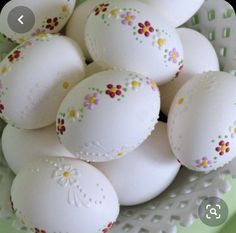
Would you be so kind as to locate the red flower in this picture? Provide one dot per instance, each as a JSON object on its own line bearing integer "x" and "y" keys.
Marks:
{"x": 101, "y": 8}
{"x": 1, "y": 107}
{"x": 178, "y": 73}
{"x": 112, "y": 90}
{"x": 223, "y": 148}
{"x": 145, "y": 28}
{"x": 61, "y": 126}
{"x": 36, "y": 230}
{"x": 15, "y": 55}
{"x": 52, "y": 23}
{"x": 108, "y": 227}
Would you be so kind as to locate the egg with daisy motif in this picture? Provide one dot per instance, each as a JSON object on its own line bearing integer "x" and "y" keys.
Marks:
{"x": 108, "y": 114}
{"x": 66, "y": 195}
{"x": 38, "y": 17}
{"x": 35, "y": 77}
{"x": 130, "y": 35}
{"x": 202, "y": 123}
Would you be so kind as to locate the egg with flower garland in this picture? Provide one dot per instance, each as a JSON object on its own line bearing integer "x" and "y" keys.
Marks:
{"x": 130, "y": 35}
{"x": 64, "y": 195}
{"x": 37, "y": 76}
{"x": 202, "y": 123}
{"x": 46, "y": 17}
{"x": 108, "y": 114}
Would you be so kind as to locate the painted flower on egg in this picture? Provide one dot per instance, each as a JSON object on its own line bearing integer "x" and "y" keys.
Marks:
{"x": 203, "y": 163}
{"x": 145, "y": 28}
{"x": 114, "y": 91}
{"x": 91, "y": 100}
{"x": 173, "y": 55}
{"x": 108, "y": 227}
{"x": 223, "y": 148}
{"x": 101, "y": 8}
{"x": 66, "y": 175}
{"x": 61, "y": 126}
{"x": 14, "y": 56}
{"x": 52, "y": 23}
{"x": 127, "y": 18}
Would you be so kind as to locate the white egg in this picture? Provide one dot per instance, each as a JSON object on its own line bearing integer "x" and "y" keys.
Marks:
{"x": 130, "y": 35}
{"x": 50, "y": 17}
{"x": 176, "y": 12}
{"x": 136, "y": 176}
{"x": 35, "y": 78}
{"x": 193, "y": 64}
{"x": 17, "y": 145}
{"x": 201, "y": 124}
{"x": 108, "y": 114}
{"x": 64, "y": 195}
{"x": 76, "y": 26}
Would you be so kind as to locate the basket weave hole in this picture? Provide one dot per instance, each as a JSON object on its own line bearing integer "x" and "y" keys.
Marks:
{"x": 127, "y": 228}
{"x": 143, "y": 230}
{"x": 183, "y": 204}
{"x": 207, "y": 183}
{"x": 156, "y": 219}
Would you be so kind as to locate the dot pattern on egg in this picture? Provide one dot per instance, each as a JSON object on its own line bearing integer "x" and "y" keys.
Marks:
{"x": 68, "y": 177}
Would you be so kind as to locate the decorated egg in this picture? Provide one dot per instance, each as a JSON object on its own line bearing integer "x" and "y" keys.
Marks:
{"x": 46, "y": 17}
{"x": 193, "y": 64}
{"x": 108, "y": 114}
{"x": 6, "y": 46}
{"x": 202, "y": 124}
{"x": 64, "y": 195}
{"x": 130, "y": 35}
{"x": 176, "y": 12}
{"x": 76, "y": 26}
{"x": 35, "y": 77}
{"x": 17, "y": 145}
{"x": 152, "y": 159}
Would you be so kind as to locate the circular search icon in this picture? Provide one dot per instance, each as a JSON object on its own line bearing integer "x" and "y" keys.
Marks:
{"x": 213, "y": 211}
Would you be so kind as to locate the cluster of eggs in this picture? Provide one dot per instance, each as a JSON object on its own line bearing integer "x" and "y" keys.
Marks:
{"x": 82, "y": 109}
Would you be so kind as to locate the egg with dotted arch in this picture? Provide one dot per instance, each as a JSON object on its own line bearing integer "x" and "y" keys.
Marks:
{"x": 64, "y": 195}
{"x": 35, "y": 77}
{"x": 202, "y": 123}
{"x": 108, "y": 114}
{"x": 130, "y": 35}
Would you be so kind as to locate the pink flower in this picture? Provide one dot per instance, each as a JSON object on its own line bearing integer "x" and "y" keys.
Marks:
{"x": 127, "y": 18}
{"x": 90, "y": 101}
{"x": 173, "y": 55}
{"x": 203, "y": 163}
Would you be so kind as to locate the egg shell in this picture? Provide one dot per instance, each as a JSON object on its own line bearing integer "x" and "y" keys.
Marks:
{"x": 64, "y": 195}
{"x": 108, "y": 114}
{"x": 37, "y": 76}
{"x": 176, "y": 12}
{"x": 76, "y": 26}
{"x": 193, "y": 64}
{"x": 130, "y": 35}
{"x": 136, "y": 176}
{"x": 50, "y": 17}
{"x": 17, "y": 145}
{"x": 202, "y": 123}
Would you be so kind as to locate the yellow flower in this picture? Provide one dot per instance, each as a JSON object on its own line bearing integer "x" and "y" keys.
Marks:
{"x": 161, "y": 42}
{"x": 4, "y": 70}
{"x": 65, "y": 8}
{"x": 66, "y": 85}
{"x": 180, "y": 101}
